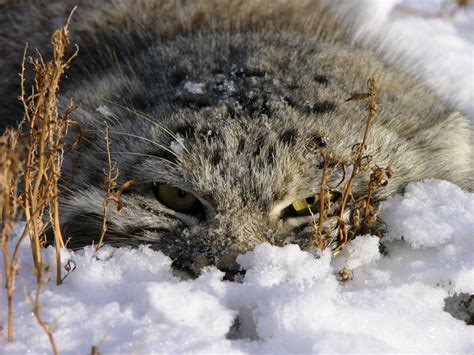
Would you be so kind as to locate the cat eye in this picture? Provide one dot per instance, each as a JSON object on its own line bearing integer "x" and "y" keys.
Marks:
{"x": 177, "y": 199}
{"x": 309, "y": 205}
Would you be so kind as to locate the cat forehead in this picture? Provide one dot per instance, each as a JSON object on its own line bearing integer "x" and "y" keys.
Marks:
{"x": 238, "y": 162}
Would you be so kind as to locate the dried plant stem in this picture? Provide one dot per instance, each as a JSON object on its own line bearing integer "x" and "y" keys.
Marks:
{"x": 36, "y": 309}
{"x": 322, "y": 192}
{"x": 46, "y": 131}
{"x": 367, "y": 204}
{"x": 34, "y": 167}
{"x": 319, "y": 238}
{"x": 113, "y": 192}
{"x": 363, "y": 211}
{"x": 10, "y": 286}
{"x": 357, "y": 160}
{"x": 109, "y": 184}
{"x": 10, "y": 165}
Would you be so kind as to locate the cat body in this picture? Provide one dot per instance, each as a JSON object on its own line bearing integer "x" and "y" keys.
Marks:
{"x": 211, "y": 104}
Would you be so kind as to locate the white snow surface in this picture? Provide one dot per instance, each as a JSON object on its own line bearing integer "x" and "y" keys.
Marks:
{"x": 125, "y": 300}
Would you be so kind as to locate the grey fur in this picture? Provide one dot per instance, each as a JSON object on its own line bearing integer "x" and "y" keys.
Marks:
{"x": 218, "y": 98}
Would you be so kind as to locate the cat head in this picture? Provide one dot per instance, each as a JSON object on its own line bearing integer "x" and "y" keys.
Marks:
{"x": 214, "y": 130}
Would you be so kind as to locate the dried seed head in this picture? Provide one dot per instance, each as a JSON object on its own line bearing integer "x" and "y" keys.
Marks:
{"x": 345, "y": 274}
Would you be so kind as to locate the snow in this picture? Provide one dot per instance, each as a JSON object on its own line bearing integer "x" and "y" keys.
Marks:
{"x": 449, "y": 214}
{"x": 105, "y": 111}
{"x": 194, "y": 88}
{"x": 125, "y": 300}
{"x": 288, "y": 301}
{"x": 177, "y": 145}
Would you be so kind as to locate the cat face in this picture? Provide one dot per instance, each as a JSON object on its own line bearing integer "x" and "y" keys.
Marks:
{"x": 206, "y": 190}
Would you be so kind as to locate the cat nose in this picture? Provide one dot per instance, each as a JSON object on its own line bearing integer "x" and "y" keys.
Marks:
{"x": 227, "y": 262}
{"x": 226, "y": 259}
{"x": 235, "y": 232}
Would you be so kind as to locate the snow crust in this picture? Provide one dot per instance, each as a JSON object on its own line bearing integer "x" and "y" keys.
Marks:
{"x": 289, "y": 301}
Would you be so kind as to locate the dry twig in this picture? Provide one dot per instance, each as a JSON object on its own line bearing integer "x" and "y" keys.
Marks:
{"x": 30, "y": 170}
{"x": 110, "y": 186}
{"x": 358, "y": 157}
{"x": 364, "y": 210}
{"x": 10, "y": 167}
{"x": 35, "y": 305}
{"x": 46, "y": 130}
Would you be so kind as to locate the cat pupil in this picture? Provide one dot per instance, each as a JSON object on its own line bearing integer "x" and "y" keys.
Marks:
{"x": 181, "y": 193}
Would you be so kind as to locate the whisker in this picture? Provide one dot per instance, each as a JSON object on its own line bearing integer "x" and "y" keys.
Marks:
{"x": 139, "y": 137}
{"x": 71, "y": 188}
{"x": 66, "y": 186}
{"x": 143, "y": 155}
{"x": 149, "y": 119}
{"x": 110, "y": 117}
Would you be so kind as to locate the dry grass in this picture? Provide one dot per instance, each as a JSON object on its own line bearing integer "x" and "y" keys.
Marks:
{"x": 10, "y": 167}
{"x": 30, "y": 173}
{"x": 30, "y": 168}
{"x": 110, "y": 186}
{"x": 364, "y": 217}
{"x": 46, "y": 129}
{"x": 35, "y": 305}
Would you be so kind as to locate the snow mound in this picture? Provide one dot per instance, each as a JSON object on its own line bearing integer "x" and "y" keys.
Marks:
{"x": 437, "y": 220}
